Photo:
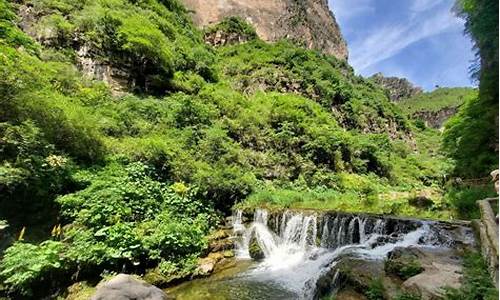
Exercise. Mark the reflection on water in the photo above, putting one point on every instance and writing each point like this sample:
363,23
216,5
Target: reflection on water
231,283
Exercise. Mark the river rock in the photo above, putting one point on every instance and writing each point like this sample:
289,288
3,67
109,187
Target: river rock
206,265
442,268
357,274
127,287
255,251
403,263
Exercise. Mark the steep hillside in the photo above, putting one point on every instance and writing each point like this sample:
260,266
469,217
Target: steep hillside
309,23
436,107
125,139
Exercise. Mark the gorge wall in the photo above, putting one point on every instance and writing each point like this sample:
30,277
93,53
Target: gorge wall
310,23
398,88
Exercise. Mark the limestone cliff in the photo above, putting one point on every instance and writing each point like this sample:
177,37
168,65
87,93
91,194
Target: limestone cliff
398,88
308,22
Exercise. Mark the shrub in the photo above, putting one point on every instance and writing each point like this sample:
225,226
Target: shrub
26,266
375,290
476,283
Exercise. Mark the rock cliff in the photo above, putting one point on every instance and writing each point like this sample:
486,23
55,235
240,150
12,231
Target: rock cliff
309,22
398,88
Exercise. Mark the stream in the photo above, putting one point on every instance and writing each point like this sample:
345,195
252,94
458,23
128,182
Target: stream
300,247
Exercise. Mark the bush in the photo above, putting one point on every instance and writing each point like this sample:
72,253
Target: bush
477,283
141,220
464,199
375,290
26,267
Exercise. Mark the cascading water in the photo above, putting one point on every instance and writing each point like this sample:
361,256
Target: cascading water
300,247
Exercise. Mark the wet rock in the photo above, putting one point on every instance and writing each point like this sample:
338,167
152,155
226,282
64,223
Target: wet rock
127,287
403,263
208,264
442,268
430,284
221,245
154,277
255,251
358,274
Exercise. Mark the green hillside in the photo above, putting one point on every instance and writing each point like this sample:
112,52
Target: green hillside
134,175
437,100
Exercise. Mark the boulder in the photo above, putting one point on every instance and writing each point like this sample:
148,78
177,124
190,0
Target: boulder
442,268
421,201
357,275
430,284
127,287
255,251
403,263
207,265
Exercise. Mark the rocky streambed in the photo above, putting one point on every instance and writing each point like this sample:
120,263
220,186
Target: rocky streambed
313,255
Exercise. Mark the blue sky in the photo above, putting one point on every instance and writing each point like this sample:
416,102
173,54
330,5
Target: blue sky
421,40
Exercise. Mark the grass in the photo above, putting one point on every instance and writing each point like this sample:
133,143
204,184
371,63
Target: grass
384,202
437,99
463,199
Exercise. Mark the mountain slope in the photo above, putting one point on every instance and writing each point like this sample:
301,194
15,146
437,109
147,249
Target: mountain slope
309,23
131,171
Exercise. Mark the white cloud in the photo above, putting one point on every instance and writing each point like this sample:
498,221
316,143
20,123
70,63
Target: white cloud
347,9
388,41
423,5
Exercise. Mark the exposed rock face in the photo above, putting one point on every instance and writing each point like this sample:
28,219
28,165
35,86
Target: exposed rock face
126,287
221,38
309,22
398,88
435,119
442,268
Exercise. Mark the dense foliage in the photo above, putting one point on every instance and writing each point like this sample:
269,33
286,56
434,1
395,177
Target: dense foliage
133,167
477,283
471,137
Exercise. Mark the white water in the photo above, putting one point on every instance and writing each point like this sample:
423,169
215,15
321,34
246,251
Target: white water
296,255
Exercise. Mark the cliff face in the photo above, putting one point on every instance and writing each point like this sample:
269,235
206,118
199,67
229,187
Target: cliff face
309,22
435,119
398,88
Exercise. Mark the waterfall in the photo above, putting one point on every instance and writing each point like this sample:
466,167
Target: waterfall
300,247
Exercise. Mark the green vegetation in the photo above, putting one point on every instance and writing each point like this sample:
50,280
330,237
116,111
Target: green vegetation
375,290
464,199
477,283
471,137
407,296
404,267
134,172
437,100
234,25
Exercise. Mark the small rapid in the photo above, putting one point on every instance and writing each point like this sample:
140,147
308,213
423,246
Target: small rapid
299,247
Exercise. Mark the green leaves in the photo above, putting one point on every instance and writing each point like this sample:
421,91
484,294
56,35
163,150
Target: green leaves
25,264
132,217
